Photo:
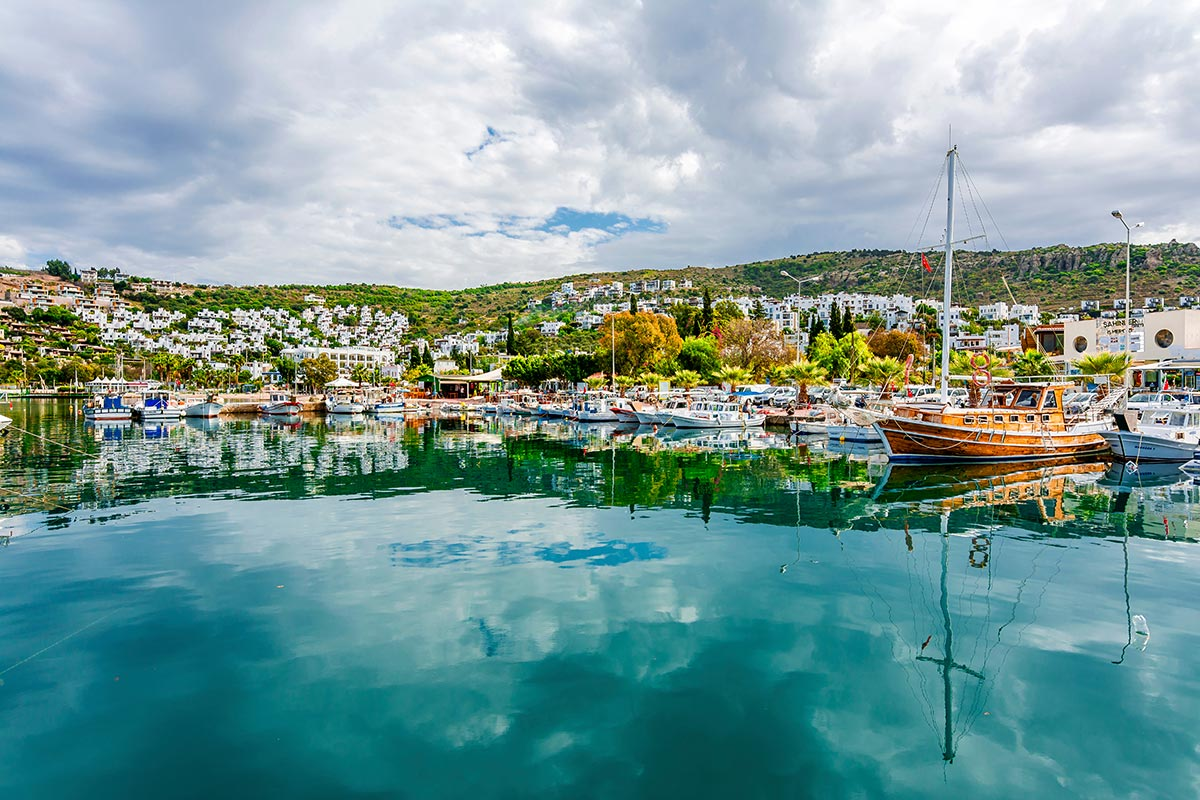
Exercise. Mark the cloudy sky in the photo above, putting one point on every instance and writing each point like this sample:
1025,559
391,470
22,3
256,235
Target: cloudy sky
447,145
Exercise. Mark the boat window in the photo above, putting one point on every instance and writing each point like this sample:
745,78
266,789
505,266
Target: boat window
1045,417
1051,400
968,420
1027,398
999,419
1030,417
1014,418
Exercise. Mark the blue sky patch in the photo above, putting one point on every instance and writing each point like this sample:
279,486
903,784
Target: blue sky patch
493,137
570,220
432,222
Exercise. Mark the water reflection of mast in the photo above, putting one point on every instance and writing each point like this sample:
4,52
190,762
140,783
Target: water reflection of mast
946,662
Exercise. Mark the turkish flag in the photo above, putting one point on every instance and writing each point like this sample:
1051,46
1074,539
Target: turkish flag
925,263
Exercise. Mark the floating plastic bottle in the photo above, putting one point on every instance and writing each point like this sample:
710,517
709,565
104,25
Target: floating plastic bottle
1141,629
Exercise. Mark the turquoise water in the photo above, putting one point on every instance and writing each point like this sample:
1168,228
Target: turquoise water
440,609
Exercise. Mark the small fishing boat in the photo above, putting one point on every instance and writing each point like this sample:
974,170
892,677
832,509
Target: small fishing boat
109,409
593,407
158,405
625,410
208,409
717,414
343,406
654,414
387,407
280,404
1162,434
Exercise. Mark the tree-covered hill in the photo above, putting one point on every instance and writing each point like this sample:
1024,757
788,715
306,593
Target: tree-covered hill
1055,277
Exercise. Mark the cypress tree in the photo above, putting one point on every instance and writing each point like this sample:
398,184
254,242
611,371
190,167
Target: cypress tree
706,312
847,320
510,344
835,321
633,304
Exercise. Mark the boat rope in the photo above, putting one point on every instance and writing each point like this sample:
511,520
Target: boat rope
63,445
51,646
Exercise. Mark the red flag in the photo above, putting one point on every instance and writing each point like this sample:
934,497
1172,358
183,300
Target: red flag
925,263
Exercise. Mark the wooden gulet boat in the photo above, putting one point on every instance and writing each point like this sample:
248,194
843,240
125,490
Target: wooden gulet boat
1018,422
1014,421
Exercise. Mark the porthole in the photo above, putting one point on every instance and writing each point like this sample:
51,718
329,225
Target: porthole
1164,338
1081,344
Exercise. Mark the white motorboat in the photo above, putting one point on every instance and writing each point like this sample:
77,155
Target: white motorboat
1162,434
108,409
654,414
388,407
344,406
717,414
625,410
593,408
208,409
5,422
280,404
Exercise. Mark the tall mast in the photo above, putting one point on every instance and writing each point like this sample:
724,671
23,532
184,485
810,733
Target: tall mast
949,272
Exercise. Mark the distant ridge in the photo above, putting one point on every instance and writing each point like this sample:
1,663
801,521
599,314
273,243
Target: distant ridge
1055,277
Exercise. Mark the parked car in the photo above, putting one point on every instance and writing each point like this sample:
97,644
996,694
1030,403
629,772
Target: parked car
1143,400
1078,402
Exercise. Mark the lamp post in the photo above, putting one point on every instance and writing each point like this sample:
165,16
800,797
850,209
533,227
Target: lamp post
1128,307
799,282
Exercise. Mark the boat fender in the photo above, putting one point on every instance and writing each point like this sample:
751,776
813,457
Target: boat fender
980,361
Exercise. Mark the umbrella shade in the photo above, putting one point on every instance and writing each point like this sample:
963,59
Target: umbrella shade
341,383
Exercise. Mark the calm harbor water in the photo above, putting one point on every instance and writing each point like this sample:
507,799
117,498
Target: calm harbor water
450,609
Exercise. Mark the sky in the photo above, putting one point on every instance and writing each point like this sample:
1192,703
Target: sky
447,145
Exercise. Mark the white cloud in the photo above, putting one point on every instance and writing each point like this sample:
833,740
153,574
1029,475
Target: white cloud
274,143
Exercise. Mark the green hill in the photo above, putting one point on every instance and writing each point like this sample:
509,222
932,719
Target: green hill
1055,277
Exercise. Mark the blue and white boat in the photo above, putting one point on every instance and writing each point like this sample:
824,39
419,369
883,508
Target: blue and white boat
110,408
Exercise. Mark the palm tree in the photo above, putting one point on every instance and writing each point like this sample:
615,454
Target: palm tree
1111,365
686,379
881,372
1032,363
804,374
360,374
733,376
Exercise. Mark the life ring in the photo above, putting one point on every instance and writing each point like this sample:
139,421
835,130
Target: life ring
981,378
980,361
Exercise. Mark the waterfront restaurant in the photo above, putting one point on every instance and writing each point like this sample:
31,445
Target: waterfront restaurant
1165,345
463,386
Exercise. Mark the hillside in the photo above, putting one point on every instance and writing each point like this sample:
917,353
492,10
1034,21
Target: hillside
1056,277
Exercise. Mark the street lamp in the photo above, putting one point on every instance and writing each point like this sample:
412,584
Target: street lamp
799,282
1128,323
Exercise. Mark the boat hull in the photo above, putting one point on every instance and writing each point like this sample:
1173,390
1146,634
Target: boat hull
281,409
914,441
1135,446
687,420
203,410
